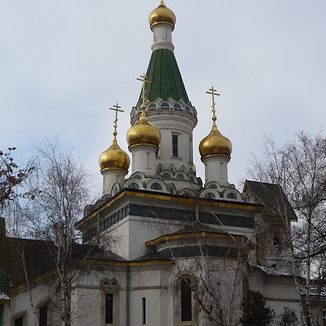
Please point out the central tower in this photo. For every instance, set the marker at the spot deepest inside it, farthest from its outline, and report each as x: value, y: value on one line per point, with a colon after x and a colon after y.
x: 167, y: 104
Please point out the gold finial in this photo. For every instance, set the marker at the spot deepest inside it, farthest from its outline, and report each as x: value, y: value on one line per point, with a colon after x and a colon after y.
x: 115, y: 123
x: 213, y: 93
x: 144, y: 80
x: 162, y: 3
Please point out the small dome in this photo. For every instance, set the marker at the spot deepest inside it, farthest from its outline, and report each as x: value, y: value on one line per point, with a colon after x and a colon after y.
x: 114, y: 158
x: 143, y: 133
x: 162, y: 15
x: 215, y: 144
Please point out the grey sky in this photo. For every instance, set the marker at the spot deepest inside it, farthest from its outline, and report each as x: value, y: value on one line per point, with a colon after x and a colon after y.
x: 64, y: 63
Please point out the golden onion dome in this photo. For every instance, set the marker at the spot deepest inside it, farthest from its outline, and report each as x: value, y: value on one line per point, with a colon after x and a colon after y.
x: 114, y: 157
x: 215, y: 144
x: 162, y: 15
x: 143, y: 133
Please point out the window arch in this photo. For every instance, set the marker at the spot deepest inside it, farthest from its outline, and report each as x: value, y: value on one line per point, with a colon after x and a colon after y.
x: 110, y: 290
x: 156, y: 186
x: 210, y: 195
x: 231, y: 195
x: 185, y: 302
x: 133, y: 185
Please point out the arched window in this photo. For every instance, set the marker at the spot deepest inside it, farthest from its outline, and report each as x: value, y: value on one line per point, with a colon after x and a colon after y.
x: 110, y: 290
x: 166, y: 175
x: 186, y: 300
x: 156, y: 186
x: 137, y: 176
x: 210, y: 195
x: 180, y: 176
x: 133, y: 185
x: 232, y: 195
x: 185, y: 303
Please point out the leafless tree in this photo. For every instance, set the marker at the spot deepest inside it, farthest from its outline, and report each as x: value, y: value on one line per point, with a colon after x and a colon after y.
x: 300, y: 168
x: 214, y: 275
x: 63, y: 190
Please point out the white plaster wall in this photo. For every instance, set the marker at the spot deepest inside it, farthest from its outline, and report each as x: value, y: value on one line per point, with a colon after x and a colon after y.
x: 216, y: 169
x: 179, y: 125
x: 21, y: 304
x: 143, y: 159
x: 151, y: 283
x: 162, y: 37
x: 119, y: 234
x: 110, y: 177
x: 132, y: 232
x: 86, y: 306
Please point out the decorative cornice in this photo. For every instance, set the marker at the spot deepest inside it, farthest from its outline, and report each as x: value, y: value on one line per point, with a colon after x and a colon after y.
x: 202, y: 234
x: 172, y: 125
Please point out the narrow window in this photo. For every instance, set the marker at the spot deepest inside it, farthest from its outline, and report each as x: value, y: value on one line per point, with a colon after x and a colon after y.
x: 147, y: 160
x: 43, y: 317
x: 109, y: 308
x: 19, y: 321
x: 175, y: 145
x: 144, y: 310
x: 186, y: 304
x: 190, y: 150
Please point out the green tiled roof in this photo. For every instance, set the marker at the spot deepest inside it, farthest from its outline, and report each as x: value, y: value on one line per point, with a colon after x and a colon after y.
x: 165, y: 77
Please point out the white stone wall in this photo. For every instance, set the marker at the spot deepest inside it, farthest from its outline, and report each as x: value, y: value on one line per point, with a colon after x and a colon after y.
x: 216, y: 169
x: 129, y: 235
x: 174, y: 124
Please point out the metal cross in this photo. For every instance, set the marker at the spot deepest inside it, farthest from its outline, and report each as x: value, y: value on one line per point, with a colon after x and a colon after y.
x: 116, y: 109
x: 213, y: 93
x: 144, y: 80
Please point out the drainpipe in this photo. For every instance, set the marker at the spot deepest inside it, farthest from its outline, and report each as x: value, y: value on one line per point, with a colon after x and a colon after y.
x: 128, y: 295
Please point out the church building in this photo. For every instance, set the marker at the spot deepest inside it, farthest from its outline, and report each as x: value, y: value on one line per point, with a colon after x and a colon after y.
x: 161, y: 247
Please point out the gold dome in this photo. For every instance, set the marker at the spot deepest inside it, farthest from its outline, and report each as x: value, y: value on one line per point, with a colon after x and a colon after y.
x: 143, y: 133
x: 162, y: 15
x: 114, y: 158
x: 215, y: 144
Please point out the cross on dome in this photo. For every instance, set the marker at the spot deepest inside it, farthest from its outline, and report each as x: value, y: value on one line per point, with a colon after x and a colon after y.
x: 212, y: 91
x: 144, y: 79
x: 115, y: 123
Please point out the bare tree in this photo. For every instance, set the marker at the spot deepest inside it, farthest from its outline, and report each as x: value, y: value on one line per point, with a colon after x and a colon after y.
x: 63, y: 191
x: 214, y: 275
x: 300, y: 168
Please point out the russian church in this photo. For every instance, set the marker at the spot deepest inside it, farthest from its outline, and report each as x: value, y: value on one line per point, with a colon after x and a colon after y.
x: 162, y: 246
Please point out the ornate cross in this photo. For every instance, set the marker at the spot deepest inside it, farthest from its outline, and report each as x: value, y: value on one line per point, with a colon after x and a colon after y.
x: 213, y: 92
x: 116, y: 109
x: 144, y: 80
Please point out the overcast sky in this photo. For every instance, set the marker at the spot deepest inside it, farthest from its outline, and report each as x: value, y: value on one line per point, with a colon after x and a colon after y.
x: 63, y: 63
